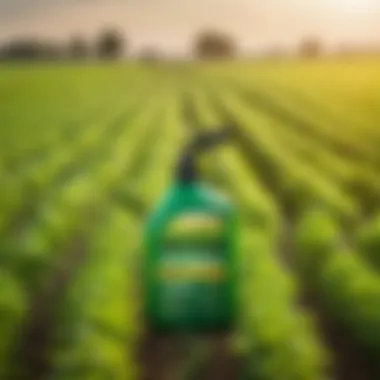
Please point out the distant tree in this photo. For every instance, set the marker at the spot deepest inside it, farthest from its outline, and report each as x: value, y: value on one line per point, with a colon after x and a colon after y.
x: 78, y: 48
x: 20, y: 50
x: 30, y: 49
x: 111, y: 44
x: 212, y: 44
x: 311, y: 47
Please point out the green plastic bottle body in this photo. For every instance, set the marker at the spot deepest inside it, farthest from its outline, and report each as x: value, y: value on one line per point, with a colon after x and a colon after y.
x: 189, y: 261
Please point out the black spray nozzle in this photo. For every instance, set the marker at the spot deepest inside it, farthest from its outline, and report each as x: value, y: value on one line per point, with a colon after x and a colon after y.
x: 209, y: 139
x: 186, y: 169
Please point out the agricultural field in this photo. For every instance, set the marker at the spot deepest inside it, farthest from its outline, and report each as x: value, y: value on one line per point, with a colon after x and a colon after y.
x: 86, y: 151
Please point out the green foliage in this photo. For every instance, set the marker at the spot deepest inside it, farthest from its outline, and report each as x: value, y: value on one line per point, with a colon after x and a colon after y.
x: 95, y: 320
x: 317, y: 236
x: 369, y: 242
x: 297, y: 184
x: 347, y: 288
x: 281, y: 341
x: 352, y: 294
x: 12, y: 310
x: 365, y: 185
x: 71, y: 137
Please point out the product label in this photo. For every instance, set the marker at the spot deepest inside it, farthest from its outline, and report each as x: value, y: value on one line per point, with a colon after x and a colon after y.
x: 192, y: 268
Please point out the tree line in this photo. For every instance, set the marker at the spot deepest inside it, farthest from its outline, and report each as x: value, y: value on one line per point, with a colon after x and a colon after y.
x: 112, y: 45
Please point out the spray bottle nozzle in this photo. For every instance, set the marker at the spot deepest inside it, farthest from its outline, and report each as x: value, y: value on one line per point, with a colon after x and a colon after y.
x: 207, y: 140
x: 186, y: 169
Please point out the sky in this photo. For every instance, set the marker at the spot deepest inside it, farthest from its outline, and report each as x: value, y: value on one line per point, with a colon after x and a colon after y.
x: 171, y: 24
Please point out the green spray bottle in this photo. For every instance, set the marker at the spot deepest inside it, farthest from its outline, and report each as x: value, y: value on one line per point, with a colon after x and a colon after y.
x: 190, y: 242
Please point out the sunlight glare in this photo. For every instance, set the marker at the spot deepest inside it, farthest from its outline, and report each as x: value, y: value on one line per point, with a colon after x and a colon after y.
x: 352, y: 6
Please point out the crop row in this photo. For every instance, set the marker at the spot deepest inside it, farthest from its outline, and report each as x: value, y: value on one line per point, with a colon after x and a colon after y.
x: 67, y: 211
x: 97, y: 326
x: 337, y: 147
x: 280, y: 341
x: 97, y: 329
x: 344, y: 282
x: 295, y: 184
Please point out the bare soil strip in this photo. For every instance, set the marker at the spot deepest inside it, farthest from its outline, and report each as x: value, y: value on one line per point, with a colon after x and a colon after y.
x: 348, y: 361
x: 31, y: 355
x: 200, y: 356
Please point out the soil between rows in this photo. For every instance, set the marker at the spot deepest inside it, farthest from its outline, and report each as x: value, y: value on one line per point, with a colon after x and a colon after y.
x: 171, y: 357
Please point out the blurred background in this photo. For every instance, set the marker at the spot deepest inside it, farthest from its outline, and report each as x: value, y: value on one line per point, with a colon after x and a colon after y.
x: 57, y: 29
x: 97, y: 97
